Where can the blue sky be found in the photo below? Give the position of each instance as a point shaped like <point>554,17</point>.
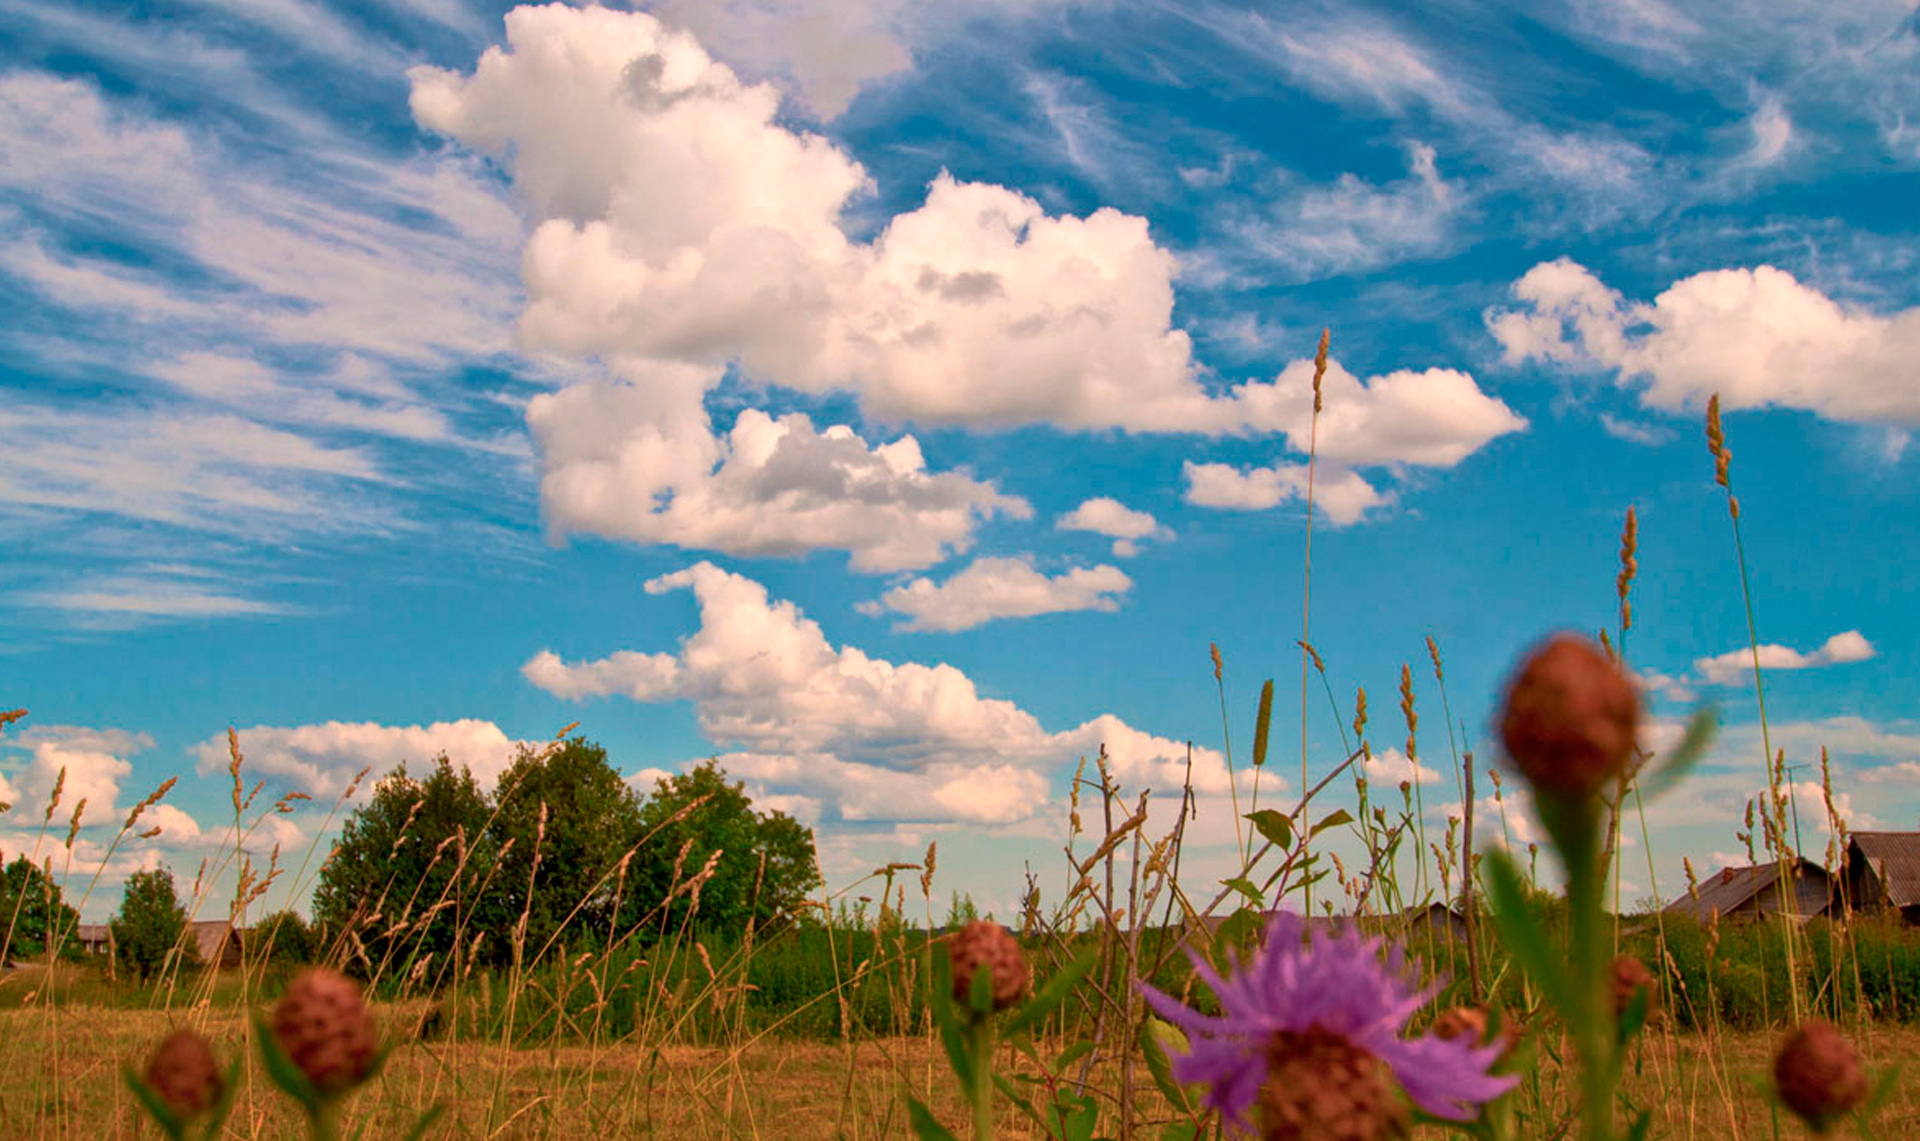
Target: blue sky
<point>896,402</point>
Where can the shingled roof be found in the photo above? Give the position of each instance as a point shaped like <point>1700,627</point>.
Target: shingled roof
<point>1730,889</point>
<point>1895,860</point>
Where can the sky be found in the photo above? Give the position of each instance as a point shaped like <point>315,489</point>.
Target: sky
<point>897,402</point>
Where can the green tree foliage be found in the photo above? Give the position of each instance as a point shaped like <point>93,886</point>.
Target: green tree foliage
<point>741,887</point>
<point>592,818</point>
<point>282,937</point>
<point>150,924</point>
<point>32,908</point>
<point>961,911</point>
<point>399,857</point>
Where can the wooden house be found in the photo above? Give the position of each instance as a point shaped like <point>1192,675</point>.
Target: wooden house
<point>1753,892</point>
<point>1883,873</point>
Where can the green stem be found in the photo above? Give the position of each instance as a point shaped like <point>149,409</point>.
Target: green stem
<point>980,1045</point>
<point>326,1122</point>
<point>1594,1024</point>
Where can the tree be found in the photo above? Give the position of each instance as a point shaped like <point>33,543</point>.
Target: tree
<point>961,911</point>
<point>592,817</point>
<point>739,888</point>
<point>151,923</point>
<point>283,937</point>
<point>31,908</point>
<point>397,860</point>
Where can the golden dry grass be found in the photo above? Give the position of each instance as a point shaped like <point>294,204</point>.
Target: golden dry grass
<point>59,1079</point>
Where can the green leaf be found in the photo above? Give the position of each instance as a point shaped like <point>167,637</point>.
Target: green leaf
<point>1180,1131</point>
<point>1260,723</point>
<point>156,1107</point>
<point>1049,997</point>
<point>1072,1054</point>
<point>1245,887</point>
<point>1155,1036</point>
<point>980,993</point>
<point>1638,1130</point>
<point>1681,761</point>
<point>1522,936</point>
<point>924,1126</point>
<point>1635,1015</point>
<point>1274,825</point>
<point>426,1121</point>
<point>1013,1095</point>
<point>1333,819</point>
<point>284,1073</point>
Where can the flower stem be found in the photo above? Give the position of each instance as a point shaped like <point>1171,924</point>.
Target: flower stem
<point>981,1047</point>
<point>1593,1019</point>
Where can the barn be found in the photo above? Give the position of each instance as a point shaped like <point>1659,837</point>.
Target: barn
<point>1753,892</point>
<point>1883,873</point>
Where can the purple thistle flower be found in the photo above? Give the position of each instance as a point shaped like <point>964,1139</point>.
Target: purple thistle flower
<point>1337,985</point>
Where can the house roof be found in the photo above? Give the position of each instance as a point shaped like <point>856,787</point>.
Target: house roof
<point>1729,889</point>
<point>208,935</point>
<point>1895,859</point>
<point>91,932</point>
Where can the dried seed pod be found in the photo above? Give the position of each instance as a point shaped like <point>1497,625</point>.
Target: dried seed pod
<point>1570,719</point>
<point>182,1071</point>
<point>985,944</point>
<point>1818,1074</point>
<point>323,1025</point>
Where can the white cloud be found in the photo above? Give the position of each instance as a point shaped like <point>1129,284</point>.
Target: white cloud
<point>1665,685</point>
<point>1757,337</point>
<point>1650,435</point>
<point>147,593</point>
<point>992,588</point>
<point>876,739</point>
<point>95,766</point>
<point>1391,766</point>
<point>617,463</point>
<point>1899,772</point>
<point>321,759</point>
<point>1736,666</point>
<point>1434,417</point>
<point>1342,495</point>
<point>828,48</point>
<point>1107,516</point>
<point>1316,231</point>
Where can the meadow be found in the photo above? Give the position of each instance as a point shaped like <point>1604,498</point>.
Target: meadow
<point>842,1020</point>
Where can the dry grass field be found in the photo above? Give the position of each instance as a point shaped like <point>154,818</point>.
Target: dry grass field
<point>60,1079</point>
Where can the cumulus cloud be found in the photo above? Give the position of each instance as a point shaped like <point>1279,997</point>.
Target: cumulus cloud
<point>1736,666</point>
<point>321,759</point>
<point>1105,515</point>
<point>1342,495</point>
<point>1757,337</point>
<point>873,738</point>
<point>1900,773</point>
<point>1391,766</point>
<point>614,466</point>
<point>678,229</point>
<point>87,764</point>
<point>990,588</point>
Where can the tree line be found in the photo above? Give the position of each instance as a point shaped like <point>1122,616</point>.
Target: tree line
<point>563,852</point>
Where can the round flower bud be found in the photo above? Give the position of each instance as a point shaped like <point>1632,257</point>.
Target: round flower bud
<point>1818,1074</point>
<point>1321,1087</point>
<point>986,945</point>
<point>182,1071</point>
<point>323,1025</point>
<point>1627,975</point>
<point>1570,719</point>
<point>1471,1023</point>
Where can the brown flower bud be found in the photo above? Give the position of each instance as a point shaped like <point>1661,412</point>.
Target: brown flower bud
<point>1321,1087</point>
<point>1471,1022</point>
<point>182,1071</point>
<point>1818,1074</point>
<point>1571,717</point>
<point>1628,975</point>
<point>323,1025</point>
<point>985,944</point>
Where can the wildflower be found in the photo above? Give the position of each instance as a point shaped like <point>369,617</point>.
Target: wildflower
<point>1570,718</point>
<point>1818,1074</point>
<point>1312,1033</point>
<point>184,1075</point>
<point>322,1024</point>
<point>984,943</point>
